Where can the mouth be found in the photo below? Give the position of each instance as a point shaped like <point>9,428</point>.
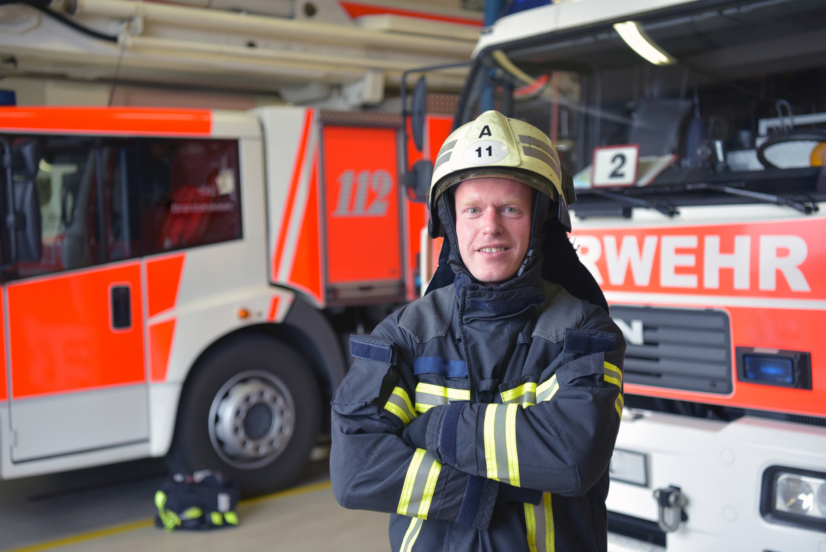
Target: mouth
<point>499,249</point>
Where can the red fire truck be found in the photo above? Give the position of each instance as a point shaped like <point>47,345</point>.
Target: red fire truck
<point>695,132</point>
<point>180,281</point>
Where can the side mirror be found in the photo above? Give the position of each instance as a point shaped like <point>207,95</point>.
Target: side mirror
<point>418,179</point>
<point>417,112</point>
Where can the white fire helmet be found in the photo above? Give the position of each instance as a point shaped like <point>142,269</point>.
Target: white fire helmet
<point>496,146</point>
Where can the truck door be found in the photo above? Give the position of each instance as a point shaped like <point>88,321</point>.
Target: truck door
<point>362,214</point>
<point>74,313</point>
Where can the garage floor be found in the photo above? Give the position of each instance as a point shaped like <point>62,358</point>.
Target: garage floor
<point>92,511</point>
<point>111,509</point>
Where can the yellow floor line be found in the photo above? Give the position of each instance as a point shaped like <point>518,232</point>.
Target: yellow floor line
<point>126,527</point>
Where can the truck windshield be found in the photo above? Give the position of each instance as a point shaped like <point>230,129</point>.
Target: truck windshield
<point>736,114</point>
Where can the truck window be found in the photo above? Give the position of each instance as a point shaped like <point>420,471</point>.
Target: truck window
<point>190,194</point>
<point>741,108</point>
<point>110,199</point>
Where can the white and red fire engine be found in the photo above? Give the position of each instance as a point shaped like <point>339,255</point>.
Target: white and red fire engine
<point>183,278</point>
<point>695,132</point>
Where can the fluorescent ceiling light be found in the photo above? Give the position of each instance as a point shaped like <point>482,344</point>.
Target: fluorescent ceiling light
<point>635,37</point>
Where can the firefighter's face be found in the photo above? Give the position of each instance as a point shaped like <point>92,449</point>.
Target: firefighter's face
<point>493,227</point>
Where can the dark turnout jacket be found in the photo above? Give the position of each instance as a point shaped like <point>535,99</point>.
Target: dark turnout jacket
<point>483,419</point>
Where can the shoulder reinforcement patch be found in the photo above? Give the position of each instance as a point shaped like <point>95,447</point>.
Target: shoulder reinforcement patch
<point>372,348</point>
<point>589,342</point>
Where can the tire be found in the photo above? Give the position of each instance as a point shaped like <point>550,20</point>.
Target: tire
<point>252,411</point>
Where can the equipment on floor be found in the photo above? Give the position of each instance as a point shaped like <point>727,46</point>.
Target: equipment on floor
<point>198,501</point>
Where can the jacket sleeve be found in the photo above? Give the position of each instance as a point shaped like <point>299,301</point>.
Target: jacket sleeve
<point>371,466</point>
<point>556,435</point>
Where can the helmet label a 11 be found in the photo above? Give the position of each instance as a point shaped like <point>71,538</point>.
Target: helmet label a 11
<point>485,152</point>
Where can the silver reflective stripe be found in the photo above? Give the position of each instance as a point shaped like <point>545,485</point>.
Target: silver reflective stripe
<point>542,156</point>
<point>539,522</point>
<point>411,535</point>
<point>448,146</point>
<point>429,395</point>
<point>442,160</point>
<point>524,394</point>
<point>400,406</point>
<point>531,141</point>
<point>547,389</point>
<point>613,375</point>
<point>419,485</point>
<point>501,455</point>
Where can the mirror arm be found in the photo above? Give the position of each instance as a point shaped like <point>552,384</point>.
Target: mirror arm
<point>406,114</point>
<point>9,215</point>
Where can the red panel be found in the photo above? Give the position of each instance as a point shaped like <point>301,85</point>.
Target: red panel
<point>299,159</point>
<point>61,336</point>
<point>3,374</point>
<point>780,259</point>
<point>163,277</point>
<point>273,308</point>
<point>439,128</point>
<point>160,344</point>
<point>129,121</point>
<point>781,264</point>
<point>306,273</point>
<point>357,10</point>
<point>362,205</point>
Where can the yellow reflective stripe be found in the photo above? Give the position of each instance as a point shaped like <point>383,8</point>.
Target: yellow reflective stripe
<point>411,535</point>
<point>550,542</point>
<point>429,395</point>
<point>409,480</point>
<point>429,488</point>
<point>613,375</point>
<point>419,485</point>
<point>513,394</point>
<point>446,392</point>
<point>398,412</point>
<point>490,442</point>
<point>216,518</point>
<point>404,396</point>
<point>231,518</point>
<point>539,524</point>
<point>399,405</point>
<point>619,403</point>
<point>510,440</point>
<point>530,524</point>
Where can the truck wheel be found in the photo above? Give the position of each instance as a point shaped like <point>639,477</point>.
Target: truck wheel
<point>252,411</point>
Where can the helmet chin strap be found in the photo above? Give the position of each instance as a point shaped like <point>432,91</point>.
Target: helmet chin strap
<point>541,215</point>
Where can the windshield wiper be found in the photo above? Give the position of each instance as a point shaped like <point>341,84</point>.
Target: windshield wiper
<point>805,208</point>
<point>663,207</point>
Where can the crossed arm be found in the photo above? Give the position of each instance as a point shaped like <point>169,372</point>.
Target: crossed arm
<point>453,461</point>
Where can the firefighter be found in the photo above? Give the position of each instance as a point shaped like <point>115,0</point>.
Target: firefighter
<point>483,415</point>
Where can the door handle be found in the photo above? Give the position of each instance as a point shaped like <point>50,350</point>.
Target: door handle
<point>120,306</point>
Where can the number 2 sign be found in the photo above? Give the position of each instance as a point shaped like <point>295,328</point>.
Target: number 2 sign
<point>615,166</point>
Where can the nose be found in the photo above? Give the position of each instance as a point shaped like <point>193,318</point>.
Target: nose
<point>492,222</point>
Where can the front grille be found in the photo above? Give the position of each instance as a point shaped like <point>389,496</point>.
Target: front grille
<point>688,349</point>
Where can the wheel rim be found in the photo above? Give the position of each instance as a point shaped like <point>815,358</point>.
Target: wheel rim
<point>251,420</point>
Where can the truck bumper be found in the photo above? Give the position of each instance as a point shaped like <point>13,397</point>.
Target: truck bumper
<point>719,468</point>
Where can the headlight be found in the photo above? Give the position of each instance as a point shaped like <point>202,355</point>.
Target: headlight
<point>794,497</point>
